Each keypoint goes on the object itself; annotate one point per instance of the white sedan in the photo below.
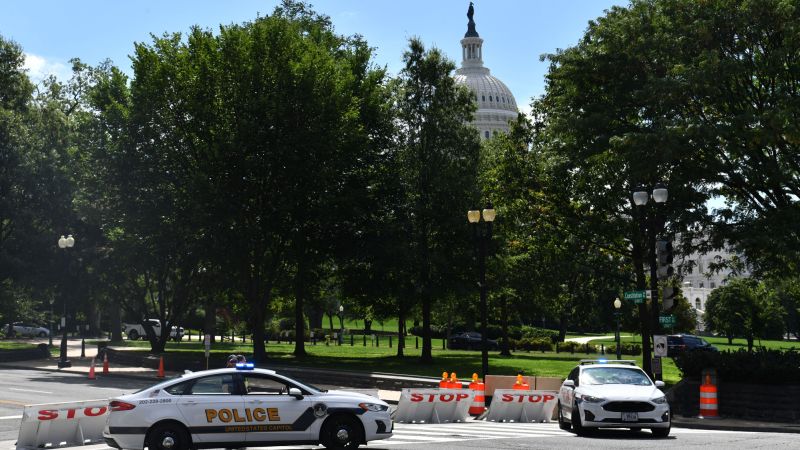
(26, 329)
(612, 394)
(243, 407)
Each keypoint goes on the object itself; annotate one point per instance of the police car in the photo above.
(612, 394)
(243, 407)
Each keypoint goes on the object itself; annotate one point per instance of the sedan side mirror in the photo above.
(294, 392)
(568, 383)
(659, 384)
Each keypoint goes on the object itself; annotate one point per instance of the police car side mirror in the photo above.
(568, 383)
(659, 384)
(294, 392)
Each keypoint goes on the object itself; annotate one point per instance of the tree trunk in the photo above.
(749, 342)
(299, 320)
(259, 344)
(401, 319)
(367, 326)
(562, 326)
(730, 339)
(330, 321)
(210, 320)
(116, 322)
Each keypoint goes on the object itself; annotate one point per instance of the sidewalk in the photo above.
(81, 366)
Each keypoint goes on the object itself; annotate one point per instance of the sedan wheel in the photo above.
(563, 424)
(42, 334)
(133, 335)
(341, 432)
(168, 437)
(577, 424)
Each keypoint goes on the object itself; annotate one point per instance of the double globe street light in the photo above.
(483, 235)
(650, 228)
(64, 243)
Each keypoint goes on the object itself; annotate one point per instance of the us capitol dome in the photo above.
(496, 104)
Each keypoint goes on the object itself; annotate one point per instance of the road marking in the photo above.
(29, 390)
(11, 402)
(10, 417)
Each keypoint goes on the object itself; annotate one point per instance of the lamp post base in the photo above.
(64, 363)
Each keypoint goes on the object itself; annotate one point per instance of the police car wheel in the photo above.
(341, 432)
(168, 437)
(563, 424)
(660, 432)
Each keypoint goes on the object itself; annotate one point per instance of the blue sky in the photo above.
(515, 32)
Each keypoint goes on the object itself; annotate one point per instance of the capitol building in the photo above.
(496, 104)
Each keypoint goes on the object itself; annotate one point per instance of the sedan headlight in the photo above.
(592, 399)
(660, 400)
(373, 407)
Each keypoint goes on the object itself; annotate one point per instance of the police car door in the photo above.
(274, 415)
(213, 408)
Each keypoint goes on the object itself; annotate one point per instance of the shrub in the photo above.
(534, 332)
(534, 344)
(762, 366)
(627, 349)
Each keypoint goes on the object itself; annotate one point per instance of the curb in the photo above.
(706, 424)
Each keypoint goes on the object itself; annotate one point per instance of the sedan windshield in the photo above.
(614, 375)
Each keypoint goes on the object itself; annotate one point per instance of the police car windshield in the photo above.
(614, 375)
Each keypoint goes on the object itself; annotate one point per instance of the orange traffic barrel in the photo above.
(478, 405)
(454, 383)
(445, 382)
(709, 407)
(521, 385)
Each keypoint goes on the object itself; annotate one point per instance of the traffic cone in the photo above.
(445, 382)
(521, 385)
(454, 383)
(478, 405)
(161, 368)
(105, 363)
(91, 371)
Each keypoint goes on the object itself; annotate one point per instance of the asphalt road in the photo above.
(21, 387)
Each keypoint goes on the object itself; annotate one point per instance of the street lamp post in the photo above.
(50, 324)
(341, 324)
(617, 306)
(650, 228)
(64, 243)
(483, 235)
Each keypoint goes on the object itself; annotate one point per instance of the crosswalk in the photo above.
(405, 434)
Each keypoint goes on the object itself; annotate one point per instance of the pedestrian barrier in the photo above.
(52, 425)
(514, 405)
(478, 405)
(708, 400)
(434, 405)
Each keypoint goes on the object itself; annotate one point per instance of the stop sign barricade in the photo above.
(68, 424)
(509, 405)
(434, 405)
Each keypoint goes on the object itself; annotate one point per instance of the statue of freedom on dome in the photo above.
(470, 11)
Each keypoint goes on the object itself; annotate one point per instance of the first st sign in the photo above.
(637, 296)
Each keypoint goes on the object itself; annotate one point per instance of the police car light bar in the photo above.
(608, 361)
(245, 366)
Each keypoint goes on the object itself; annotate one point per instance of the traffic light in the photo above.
(664, 256)
(667, 298)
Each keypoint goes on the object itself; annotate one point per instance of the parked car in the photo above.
(136, 331)
(678, 343)
(469, 340)
(27, 329)
(612, 394)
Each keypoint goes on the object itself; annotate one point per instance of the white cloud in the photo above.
(39, 68)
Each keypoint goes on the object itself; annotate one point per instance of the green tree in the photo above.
(743, 308)
(437, 161)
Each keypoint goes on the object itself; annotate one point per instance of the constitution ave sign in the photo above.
(637, 296)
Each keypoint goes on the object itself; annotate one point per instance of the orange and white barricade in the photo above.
(478, 405)
(434, 405)
(709, 407)
(53, 425)
(515, 405)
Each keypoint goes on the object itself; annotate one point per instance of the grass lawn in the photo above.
(382, 359)
(16, 346)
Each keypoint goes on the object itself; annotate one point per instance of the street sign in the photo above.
(666, 320)
(660, 345)
(637, 296)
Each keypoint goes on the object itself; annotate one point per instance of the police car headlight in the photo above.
(592, 399)
(373, 407)
(660, 400)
